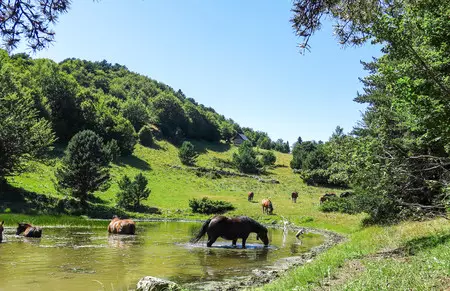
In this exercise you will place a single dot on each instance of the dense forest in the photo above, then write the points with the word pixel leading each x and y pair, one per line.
pixel 44 102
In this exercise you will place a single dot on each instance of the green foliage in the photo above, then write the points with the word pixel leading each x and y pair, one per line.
pixel 208 206
pixel 170 114
pixel 136 113
pixel 132 192
pixel 113 150
pixel 398 156
pixel 84 166
pixel 146 136
pixel 337 204
pixel 245 159
pixel 268 158
pixel 187 154
pixel 22 134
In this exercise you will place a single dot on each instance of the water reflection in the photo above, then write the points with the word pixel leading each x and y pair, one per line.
pixel 122 241
pixel 73 258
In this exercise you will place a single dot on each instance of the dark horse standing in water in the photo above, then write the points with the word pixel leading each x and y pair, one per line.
pixel 28 230
pixel 1 231
pixel 232 229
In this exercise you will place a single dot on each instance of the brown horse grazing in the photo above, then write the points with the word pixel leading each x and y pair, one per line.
pixel 232 229
pixel 1 231
pixel 267 206
pixel 327 197
pixel 294 196
pixel 250 196
pixel 121 226
pixel 28 230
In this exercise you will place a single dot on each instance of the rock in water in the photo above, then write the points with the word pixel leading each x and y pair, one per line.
pixel 150 283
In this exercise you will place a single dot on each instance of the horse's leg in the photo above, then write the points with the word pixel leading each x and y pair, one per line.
pixel 244 239
pixel 211 240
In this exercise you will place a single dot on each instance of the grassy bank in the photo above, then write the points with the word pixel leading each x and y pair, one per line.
pixel 411 255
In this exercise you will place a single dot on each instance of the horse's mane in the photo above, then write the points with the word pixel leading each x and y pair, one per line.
pixel 254 222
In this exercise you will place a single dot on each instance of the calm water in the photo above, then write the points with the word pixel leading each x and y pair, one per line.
pixel 85 258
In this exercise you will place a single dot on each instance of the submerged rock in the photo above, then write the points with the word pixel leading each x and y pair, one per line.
pixel 150 283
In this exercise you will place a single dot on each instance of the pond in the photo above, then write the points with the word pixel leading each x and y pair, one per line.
pixel 84 258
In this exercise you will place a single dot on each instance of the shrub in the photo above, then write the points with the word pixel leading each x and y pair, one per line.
pixel 268 158
pixel 113 149
pixel 187 153
pixel 132 192
pixel 245 160
pixel 207 206
pixel 146 136
pixel 315 177
pixel 336 204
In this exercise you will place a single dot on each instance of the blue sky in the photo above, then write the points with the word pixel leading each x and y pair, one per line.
pixel 239 57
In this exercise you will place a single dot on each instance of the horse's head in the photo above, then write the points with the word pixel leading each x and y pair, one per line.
pixel 262 235
pixel 22 227
pixel 1 230
pixel 115 217
pixel 270 207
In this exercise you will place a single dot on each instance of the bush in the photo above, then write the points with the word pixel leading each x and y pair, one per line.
pixel 146 136
pixel 268 158
pixel 336 204
pixel 187 154
pixel 315 177
pixel 132 192
pixel 207 206
pixel 245 160
pixel 113 149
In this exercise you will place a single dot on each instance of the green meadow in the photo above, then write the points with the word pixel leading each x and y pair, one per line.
pixel 405 256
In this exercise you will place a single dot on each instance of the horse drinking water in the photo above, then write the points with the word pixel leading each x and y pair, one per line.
pixel 121 226
pixel 28 230
pixel 267 206
pixel 231 229
pixel 1 231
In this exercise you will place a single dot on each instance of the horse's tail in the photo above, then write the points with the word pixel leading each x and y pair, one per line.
pixel 201 232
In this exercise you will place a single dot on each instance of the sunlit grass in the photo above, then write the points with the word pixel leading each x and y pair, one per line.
pixel 172 188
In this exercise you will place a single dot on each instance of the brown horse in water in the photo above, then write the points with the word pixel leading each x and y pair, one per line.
pixel 267 206
pixel 28 230
pixel 232 229
pixel 121 226
pixel 1 231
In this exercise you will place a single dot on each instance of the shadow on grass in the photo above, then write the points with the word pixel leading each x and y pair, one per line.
pixel 423 243
pixel 156 146
pixel 134 162
pixel 19 200
pixel 203 146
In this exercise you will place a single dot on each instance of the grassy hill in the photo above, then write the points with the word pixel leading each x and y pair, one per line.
pixel 173 187
pixel 407 256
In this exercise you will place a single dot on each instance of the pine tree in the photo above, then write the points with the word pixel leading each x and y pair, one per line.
pixel 85 165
